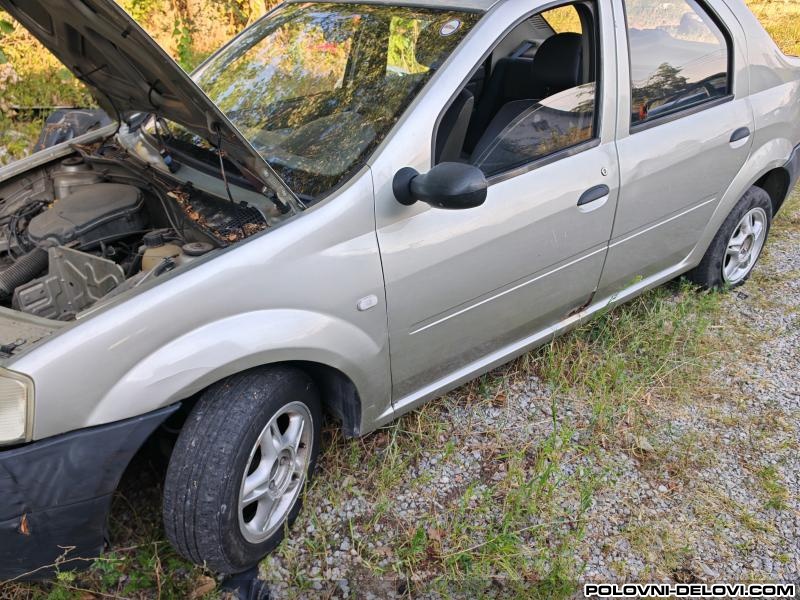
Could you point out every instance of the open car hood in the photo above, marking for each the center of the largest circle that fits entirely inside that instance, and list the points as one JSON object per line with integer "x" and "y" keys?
{"x": 128, "y": 72}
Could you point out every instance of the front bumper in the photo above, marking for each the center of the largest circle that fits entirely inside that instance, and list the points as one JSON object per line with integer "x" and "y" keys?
{"x": 55, "y": 495}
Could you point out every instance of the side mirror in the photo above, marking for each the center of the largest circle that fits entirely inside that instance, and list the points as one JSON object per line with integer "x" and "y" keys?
{"x": 447, "y": 185}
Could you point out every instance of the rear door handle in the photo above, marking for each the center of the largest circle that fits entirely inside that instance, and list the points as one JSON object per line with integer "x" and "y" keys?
{"x": 740, "y": 134}
{"x": 594, "y": 194}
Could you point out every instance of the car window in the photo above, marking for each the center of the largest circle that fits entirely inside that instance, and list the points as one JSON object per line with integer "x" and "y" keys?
{"x": 548, "y": 126}
{"x": 678, "y": 57}
{"x": 315, "y": 87}
{"x": 402, "y": 57}
{"x": 563, "y": 19}
{"x": 540, "y": 99}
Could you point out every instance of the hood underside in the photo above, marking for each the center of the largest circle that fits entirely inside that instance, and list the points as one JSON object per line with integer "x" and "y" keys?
{"x": 128, "y": 73}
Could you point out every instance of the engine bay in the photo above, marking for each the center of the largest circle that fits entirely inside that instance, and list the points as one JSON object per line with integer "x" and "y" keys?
{"x": 97, "y": 223}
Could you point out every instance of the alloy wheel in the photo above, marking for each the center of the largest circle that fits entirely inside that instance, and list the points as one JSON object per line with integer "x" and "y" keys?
{"x": 276, "y": 472}
{"x": 744, "y": 246}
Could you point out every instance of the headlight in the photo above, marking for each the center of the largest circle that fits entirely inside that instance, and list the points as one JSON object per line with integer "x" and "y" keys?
{"x": 16, "y": 407}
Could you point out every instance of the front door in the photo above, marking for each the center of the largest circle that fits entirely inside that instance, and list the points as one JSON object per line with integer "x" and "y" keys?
{"x": 465, "y": 286}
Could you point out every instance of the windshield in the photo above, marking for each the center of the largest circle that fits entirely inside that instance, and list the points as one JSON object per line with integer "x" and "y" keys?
{"x": 315, "y": 87}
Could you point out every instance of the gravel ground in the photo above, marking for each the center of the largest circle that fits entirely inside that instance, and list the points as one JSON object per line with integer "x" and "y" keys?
{"x": 736, "y": 516}
{"x": 710, "y": 495}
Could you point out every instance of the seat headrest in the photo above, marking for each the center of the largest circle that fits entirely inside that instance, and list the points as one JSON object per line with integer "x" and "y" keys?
{"x": 557, "y": 63}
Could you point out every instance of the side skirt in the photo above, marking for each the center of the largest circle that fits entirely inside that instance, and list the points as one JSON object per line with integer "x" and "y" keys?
{"x": 512, "y": 351}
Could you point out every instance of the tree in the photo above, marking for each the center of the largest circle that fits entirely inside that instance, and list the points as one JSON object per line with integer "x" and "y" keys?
{"x": 665, "y": 82}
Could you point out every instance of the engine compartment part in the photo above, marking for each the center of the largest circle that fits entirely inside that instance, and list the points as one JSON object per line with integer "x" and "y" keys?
{"x": 17, "y": 331}
{"x": 155, "y": 255}
{"x": 196, "y": 249}
{"x": 101, "y": 212}
{"x": 99, "y": 223}
{"x": 72, "y": 174}
{"x": 22, "y": 271}
{"x": 75, "y": 280}
{"x": 65, "y": 124}
{"x": 224, "y": 220}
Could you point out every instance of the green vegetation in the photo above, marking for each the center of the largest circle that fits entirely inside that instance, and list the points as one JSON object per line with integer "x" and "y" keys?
{"x": 781, "y": 18}
{"x": 6, "y": 27}
{"x": 40, "y": 79}
{"x": 773, "y": 487}
{"x": 17, "y": 137}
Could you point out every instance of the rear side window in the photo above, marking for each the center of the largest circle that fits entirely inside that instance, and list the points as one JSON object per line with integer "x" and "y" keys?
{"x": 679, "y": 57}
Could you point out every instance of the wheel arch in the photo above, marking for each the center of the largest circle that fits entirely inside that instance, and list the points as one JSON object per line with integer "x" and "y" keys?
{"x": 338, "y": 393}
{"x": 347, "y": 365}
{"x": 766, "y": 169}
{"x": 776, "y": 183}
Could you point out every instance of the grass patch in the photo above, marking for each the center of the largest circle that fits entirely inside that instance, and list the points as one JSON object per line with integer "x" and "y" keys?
{"x": 781, "y": 19}
{"x": 660, "y": 545}
{"x": 772, "y": 484}
{"x": 632, "y": 357}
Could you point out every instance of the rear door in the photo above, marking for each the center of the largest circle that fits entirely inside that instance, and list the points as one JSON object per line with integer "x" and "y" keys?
{"x": 684, "y": 130}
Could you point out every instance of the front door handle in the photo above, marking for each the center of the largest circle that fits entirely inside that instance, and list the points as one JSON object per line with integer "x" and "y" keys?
{"x": 594, "y": 194}
{"x": 740, "y": 134}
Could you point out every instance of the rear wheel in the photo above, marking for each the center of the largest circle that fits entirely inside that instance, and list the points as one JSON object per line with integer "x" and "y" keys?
{"x": 736, "y": 248}
{"x": 239, "y": 467}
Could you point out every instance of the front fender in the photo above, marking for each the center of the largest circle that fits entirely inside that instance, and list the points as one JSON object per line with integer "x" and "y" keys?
{"x": 216, "y": 350}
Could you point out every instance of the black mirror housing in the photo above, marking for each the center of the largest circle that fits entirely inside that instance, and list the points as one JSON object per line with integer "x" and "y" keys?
{"x": 451, "y": 186}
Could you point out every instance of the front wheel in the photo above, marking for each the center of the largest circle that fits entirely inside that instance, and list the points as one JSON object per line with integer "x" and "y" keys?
{"x": 736, "y": 248}
{"x": 237, "y": 473}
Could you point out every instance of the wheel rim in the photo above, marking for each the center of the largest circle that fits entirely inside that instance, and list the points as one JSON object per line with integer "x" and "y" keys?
{"x": 275, "y": 473}
{"x": 744, "y": 246}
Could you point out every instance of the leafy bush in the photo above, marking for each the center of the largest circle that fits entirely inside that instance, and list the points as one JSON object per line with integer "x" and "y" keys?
{"x": 5, "y": 28}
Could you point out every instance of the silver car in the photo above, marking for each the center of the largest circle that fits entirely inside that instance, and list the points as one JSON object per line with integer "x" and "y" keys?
{"x": 348, "y": 210}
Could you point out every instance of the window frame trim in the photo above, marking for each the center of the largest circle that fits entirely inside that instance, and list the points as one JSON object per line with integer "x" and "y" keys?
{"x": 567, "y": 152}
{"x": 646, "y": 124}
{"x": 543, "y": 161}
{"x": 679, "y": 114}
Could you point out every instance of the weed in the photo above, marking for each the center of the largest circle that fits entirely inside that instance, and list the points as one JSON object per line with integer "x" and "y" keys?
{"x": 770, "y": 481}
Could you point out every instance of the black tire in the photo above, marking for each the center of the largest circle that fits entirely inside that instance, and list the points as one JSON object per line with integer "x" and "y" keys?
{"x": 709, "y": 273}
{"x": 211, "y": 455}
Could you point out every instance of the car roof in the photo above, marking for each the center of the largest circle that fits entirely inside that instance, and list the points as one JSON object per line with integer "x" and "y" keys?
{"x": 470, "y": 5}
